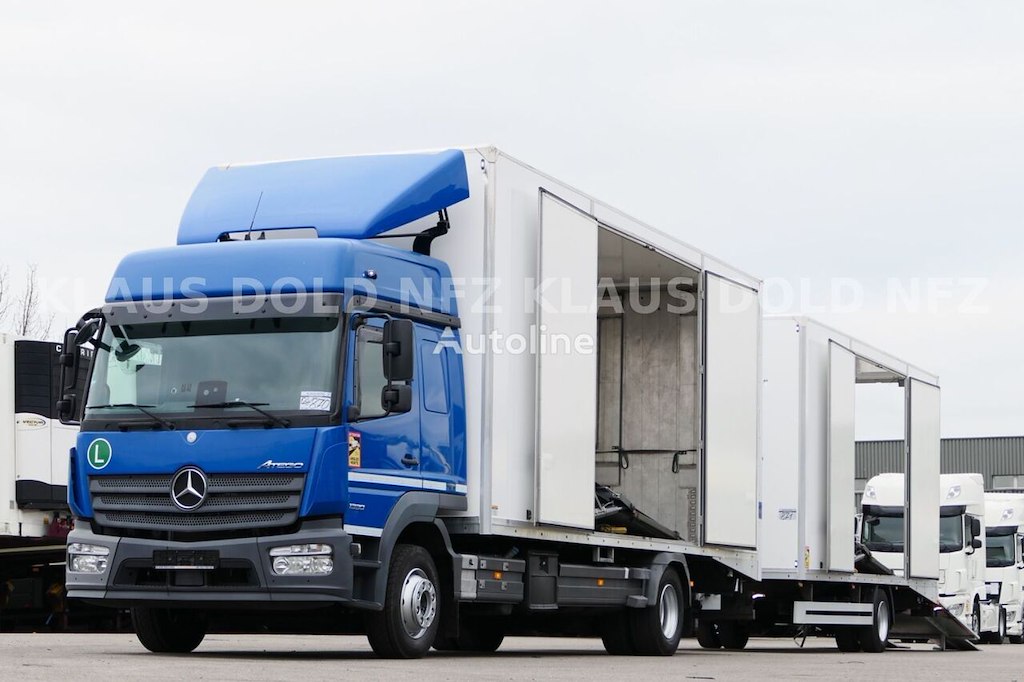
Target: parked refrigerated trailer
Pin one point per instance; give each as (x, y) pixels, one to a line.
(34, 516)
(442, 397)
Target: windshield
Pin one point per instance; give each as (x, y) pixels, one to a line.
(280, 364)
(999, 550)
(951, 533)
(883, 533)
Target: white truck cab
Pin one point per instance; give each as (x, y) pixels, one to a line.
(1004, 565)
(881, 525)
(961, 543)
(962, 552)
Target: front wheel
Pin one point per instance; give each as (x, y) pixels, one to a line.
(655, 630)
(407, 625)
(999, 636)
(169, 631)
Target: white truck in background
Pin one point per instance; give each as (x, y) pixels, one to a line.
(34, 516)
(1004, 565)
(961, 543)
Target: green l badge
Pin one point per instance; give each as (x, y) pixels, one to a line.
(99, 453)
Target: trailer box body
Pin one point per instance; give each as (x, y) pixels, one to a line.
(808, 452)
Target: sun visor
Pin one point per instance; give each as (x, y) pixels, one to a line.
(352, 197)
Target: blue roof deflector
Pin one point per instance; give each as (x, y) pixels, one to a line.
(353, 197)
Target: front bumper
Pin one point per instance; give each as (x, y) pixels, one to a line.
(243, 577)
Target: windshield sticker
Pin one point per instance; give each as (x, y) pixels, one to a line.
(315, 400)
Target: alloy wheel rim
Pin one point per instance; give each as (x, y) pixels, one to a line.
(668, 612)
(418, 603)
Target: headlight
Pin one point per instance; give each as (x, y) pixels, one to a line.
(85, 558)
(956, 609)
(311, 559)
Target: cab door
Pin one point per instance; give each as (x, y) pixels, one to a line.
(384, 449)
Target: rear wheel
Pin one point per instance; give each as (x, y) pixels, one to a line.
(169, 631)
(874, 637)
(655, 630)
(707, 635)
(847, 639)
(733, 635)
(408, 623)
(616, 637)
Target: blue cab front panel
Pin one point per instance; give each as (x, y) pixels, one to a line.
(320, 452)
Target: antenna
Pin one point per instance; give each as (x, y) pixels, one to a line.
(248, 235)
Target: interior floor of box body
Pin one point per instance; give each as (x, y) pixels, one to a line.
(648, 384)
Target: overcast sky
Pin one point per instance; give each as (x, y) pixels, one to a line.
(879, 143)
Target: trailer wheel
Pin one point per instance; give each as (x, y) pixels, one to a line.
(655, 630)
(408, 623)
(847, 639)
(169, 631)
(733, 635)
(874, 637)
(707, 635)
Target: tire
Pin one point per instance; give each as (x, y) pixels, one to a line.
(656, 630)
(707, 635)
(169, 631)
(616, 637)
(874, 637)
(407, 625)
(976, 620)
(847, 639)
(733, 635)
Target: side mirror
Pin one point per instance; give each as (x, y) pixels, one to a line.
(976, 543)
(975, 526)
(86, 331)
(398, 350)
(396, 399)
(69, 364)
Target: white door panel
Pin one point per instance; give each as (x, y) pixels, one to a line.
(842, 383)
(731, 348)
(923, 435)
(566, 381)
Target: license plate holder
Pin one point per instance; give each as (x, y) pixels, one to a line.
(186, 559)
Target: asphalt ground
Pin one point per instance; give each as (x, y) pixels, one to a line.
(119, 657)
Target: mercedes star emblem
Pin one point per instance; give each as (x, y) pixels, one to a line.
(188, 488)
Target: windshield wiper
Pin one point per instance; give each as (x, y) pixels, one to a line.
(144, 409)
(279, 421)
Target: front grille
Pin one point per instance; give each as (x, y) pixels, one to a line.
(233, 501)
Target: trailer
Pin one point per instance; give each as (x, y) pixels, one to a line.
(34, 515)
(441, 397)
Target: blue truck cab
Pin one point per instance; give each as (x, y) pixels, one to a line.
(276, 422)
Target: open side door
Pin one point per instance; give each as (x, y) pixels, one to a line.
(842, 383)
(732, 319)
(922, 494)
(566, 382)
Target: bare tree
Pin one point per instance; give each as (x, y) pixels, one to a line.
(5, 295)
(28, 318)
